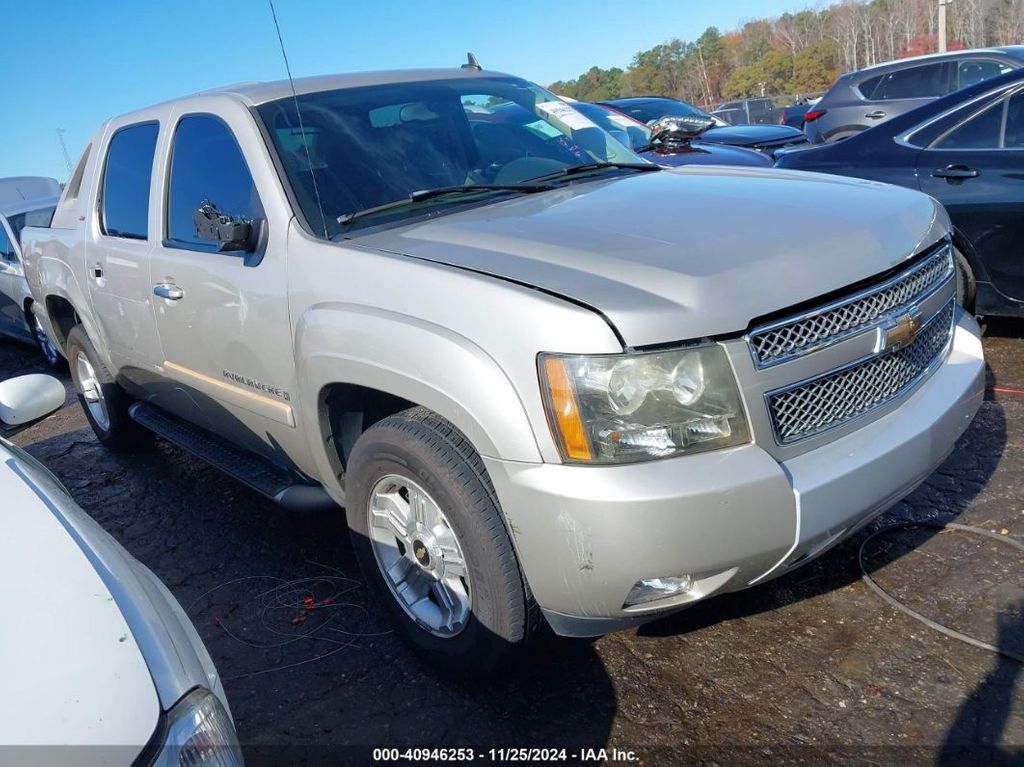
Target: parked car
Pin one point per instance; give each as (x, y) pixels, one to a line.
(756, 111)
(870, 96)
(794, 115)
(673, 147)
(547, 379)
(100, 663)
(966, 150)
(24, 200)
(764, 138)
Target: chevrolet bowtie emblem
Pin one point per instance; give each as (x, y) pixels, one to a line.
(900, 331)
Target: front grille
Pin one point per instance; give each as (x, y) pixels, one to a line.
(795, 336)
(840, 396)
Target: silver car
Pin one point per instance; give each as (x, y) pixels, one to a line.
(546, 379)
(875, 94)
(24, 201)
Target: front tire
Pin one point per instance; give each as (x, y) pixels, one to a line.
(432, 543)
(104, 402)
(966, 286)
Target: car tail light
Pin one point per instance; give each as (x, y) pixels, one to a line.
(814, 114)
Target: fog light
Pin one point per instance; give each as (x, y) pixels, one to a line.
(653, 589)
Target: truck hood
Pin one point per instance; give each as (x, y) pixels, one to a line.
(73, 672)
(753, 135)
(684, 253)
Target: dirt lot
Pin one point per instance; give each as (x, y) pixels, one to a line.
(813, 667)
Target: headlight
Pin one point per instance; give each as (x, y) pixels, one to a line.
(624, 408)
(199, 732)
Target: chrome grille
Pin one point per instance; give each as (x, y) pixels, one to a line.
(840, 396)
(795, 336)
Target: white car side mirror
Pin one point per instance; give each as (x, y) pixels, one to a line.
(28, 398)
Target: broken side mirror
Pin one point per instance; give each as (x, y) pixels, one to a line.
(232, 233)
(680, 129)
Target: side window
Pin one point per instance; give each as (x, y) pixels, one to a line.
(6, 249)
(979, 132)
(126, 178)
(207, 167)
(867, 87)
(971, 71)
(1014, 137)
(914, 83)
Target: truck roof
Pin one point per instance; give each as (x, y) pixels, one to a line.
(256, 93)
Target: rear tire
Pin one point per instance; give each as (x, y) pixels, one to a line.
(421, 454)
(104, 402)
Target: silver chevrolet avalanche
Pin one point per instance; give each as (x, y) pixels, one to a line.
(546, 379)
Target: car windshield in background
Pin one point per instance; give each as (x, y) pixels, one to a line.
(375, 145)
(40, 217)
(648, 112)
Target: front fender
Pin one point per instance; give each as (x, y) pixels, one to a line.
(418, 361)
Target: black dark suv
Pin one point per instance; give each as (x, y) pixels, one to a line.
(866, 97)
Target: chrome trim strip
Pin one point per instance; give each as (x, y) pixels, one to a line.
(945, 244)
(939, 358)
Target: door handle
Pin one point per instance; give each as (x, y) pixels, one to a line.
(956, 172)
(169, 291)
(878, 114)
(97, 272)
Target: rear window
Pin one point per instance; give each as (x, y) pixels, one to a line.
(867, 87)
(126, 178)
(39, 217)
(925, 81)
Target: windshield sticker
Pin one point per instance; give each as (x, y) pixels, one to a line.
(543, 128)
(565, 114)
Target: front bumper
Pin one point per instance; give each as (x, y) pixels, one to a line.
(731, 518)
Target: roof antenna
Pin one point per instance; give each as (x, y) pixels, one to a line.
(471, 62)
(298, 112)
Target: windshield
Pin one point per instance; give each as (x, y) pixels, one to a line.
(649, 111)
(40, 217)
(374, 145)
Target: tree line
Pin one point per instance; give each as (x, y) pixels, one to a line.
(798, 53)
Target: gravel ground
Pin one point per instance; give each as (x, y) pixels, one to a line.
(813, 667)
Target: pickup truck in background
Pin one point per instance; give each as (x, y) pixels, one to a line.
(756, 111)
(24, 201)
(547, 380)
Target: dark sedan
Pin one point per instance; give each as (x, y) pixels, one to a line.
(684, 150)
(763, 138)
(966, 150)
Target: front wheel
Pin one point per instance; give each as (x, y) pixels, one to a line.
(431, 541)
(966, 286)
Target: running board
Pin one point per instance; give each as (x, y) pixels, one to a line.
(263, 476)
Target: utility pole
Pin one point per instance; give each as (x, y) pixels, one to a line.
(942, 24)
(64, 148)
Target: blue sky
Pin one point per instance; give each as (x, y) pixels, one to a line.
(72, 64)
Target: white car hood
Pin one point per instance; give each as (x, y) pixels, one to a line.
(686, 253)
(72, 671)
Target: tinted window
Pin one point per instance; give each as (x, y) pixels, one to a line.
(867, 87)
(975, 70)
(6, 249)
(913, 83)
(1015, 122)
(980, 132)
(39, 217)
(207, 166)
(126, 180)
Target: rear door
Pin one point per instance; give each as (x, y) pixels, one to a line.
(976, 169)
(904, 89)
(10, 270)
(117, 253)
(222, 314)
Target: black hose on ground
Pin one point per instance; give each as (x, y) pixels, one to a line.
(953, 634)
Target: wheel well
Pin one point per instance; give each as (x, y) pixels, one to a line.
(63, 317)
(347, 410)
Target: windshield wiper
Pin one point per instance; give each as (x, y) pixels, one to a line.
(575, 170)
(443, 191)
